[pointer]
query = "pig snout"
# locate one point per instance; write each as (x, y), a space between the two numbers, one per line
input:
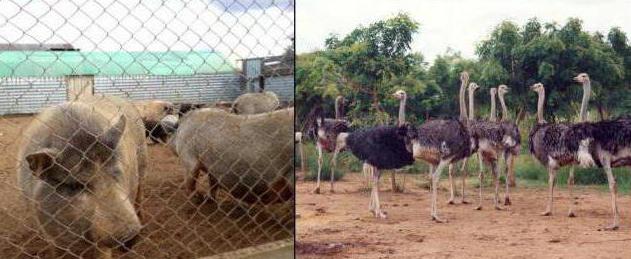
(122, 241)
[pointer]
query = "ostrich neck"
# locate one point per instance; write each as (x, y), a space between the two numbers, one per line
(463, 105)
(504, 109)
(493, 116)
(402, 111)
(542, 97)
(337, 109)
(587, 91)
(471, 108)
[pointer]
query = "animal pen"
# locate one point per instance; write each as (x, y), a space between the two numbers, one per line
(68, 200)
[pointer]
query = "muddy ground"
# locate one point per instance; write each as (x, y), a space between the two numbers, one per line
(174, 227)
(339, 225)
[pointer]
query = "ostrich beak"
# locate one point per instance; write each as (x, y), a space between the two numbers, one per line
(577, 79)
(533, 87)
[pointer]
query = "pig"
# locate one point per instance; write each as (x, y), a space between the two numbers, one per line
(80, 167)
(152, 113)
(248, 156)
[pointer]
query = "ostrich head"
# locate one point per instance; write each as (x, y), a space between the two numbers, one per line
(538, 87)
(502, 89)
(493, 91)
(473, 87)
(464, 76)
(400, 95)
(582, 78)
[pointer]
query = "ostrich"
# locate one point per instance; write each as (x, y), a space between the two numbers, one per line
(439, 142)
(380, 148)
(546, 142)
(327, 131)
(464, 80)
(511, 142)
(494, 138)
(605, 143)
(402, 97)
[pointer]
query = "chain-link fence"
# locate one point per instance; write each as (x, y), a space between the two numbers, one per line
(119, 134)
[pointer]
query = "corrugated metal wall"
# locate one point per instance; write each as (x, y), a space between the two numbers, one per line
(203, 88)
(283, 86)
(29, 95)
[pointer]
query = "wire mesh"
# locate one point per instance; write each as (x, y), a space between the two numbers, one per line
(117, 131)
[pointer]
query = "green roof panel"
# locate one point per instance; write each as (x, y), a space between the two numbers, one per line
(63, 63)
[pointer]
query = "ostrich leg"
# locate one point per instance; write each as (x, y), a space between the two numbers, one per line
(465, 173)
(496, 180)
(451, 184)
(481, 184)
(613, 189)
(508, 163)
(375, 193)
(317, 189)
(333, 165)
(551, 175)
(570, 187)
(435, 179)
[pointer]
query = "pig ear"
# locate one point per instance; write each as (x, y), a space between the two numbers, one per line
(42, 159)
(110, 138)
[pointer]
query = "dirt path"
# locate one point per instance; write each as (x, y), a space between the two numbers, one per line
(339, 225)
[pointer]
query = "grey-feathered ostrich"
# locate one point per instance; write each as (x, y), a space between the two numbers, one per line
(605, 143)
(511, 149)
(464, 80)
(547, 143)
(380, 148)
(326, 131)
(440, 143)
(494, 139)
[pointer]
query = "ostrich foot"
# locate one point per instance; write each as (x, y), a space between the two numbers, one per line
(571, 214)
(464, 202)
(450, 201)
(507, 201)
(332, 191)
(438, 220)
(609, 228)
(479, 207)
(316, 190)
(546, 213)
(498, 207)
(380, 214)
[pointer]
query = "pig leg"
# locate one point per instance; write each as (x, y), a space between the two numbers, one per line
(190, 185)
(138, 202)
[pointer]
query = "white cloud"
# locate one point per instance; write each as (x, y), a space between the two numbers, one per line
(449, 23)
(109, 25)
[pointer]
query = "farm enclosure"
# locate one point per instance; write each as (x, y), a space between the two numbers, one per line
(180, 53)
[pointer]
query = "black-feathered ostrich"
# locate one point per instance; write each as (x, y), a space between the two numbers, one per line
(547, 143)
(326, 131)
(494, 139)
(380, 148)
(605, 143)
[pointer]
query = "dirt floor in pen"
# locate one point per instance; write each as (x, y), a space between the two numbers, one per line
(339, 225)
(173, 227)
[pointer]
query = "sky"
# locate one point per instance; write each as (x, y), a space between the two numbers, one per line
(236, 28)
(458, 25)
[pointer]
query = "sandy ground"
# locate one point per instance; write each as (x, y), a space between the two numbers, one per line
(174, 227)
(339, 225)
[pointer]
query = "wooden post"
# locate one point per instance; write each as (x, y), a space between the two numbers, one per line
(79, 87)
